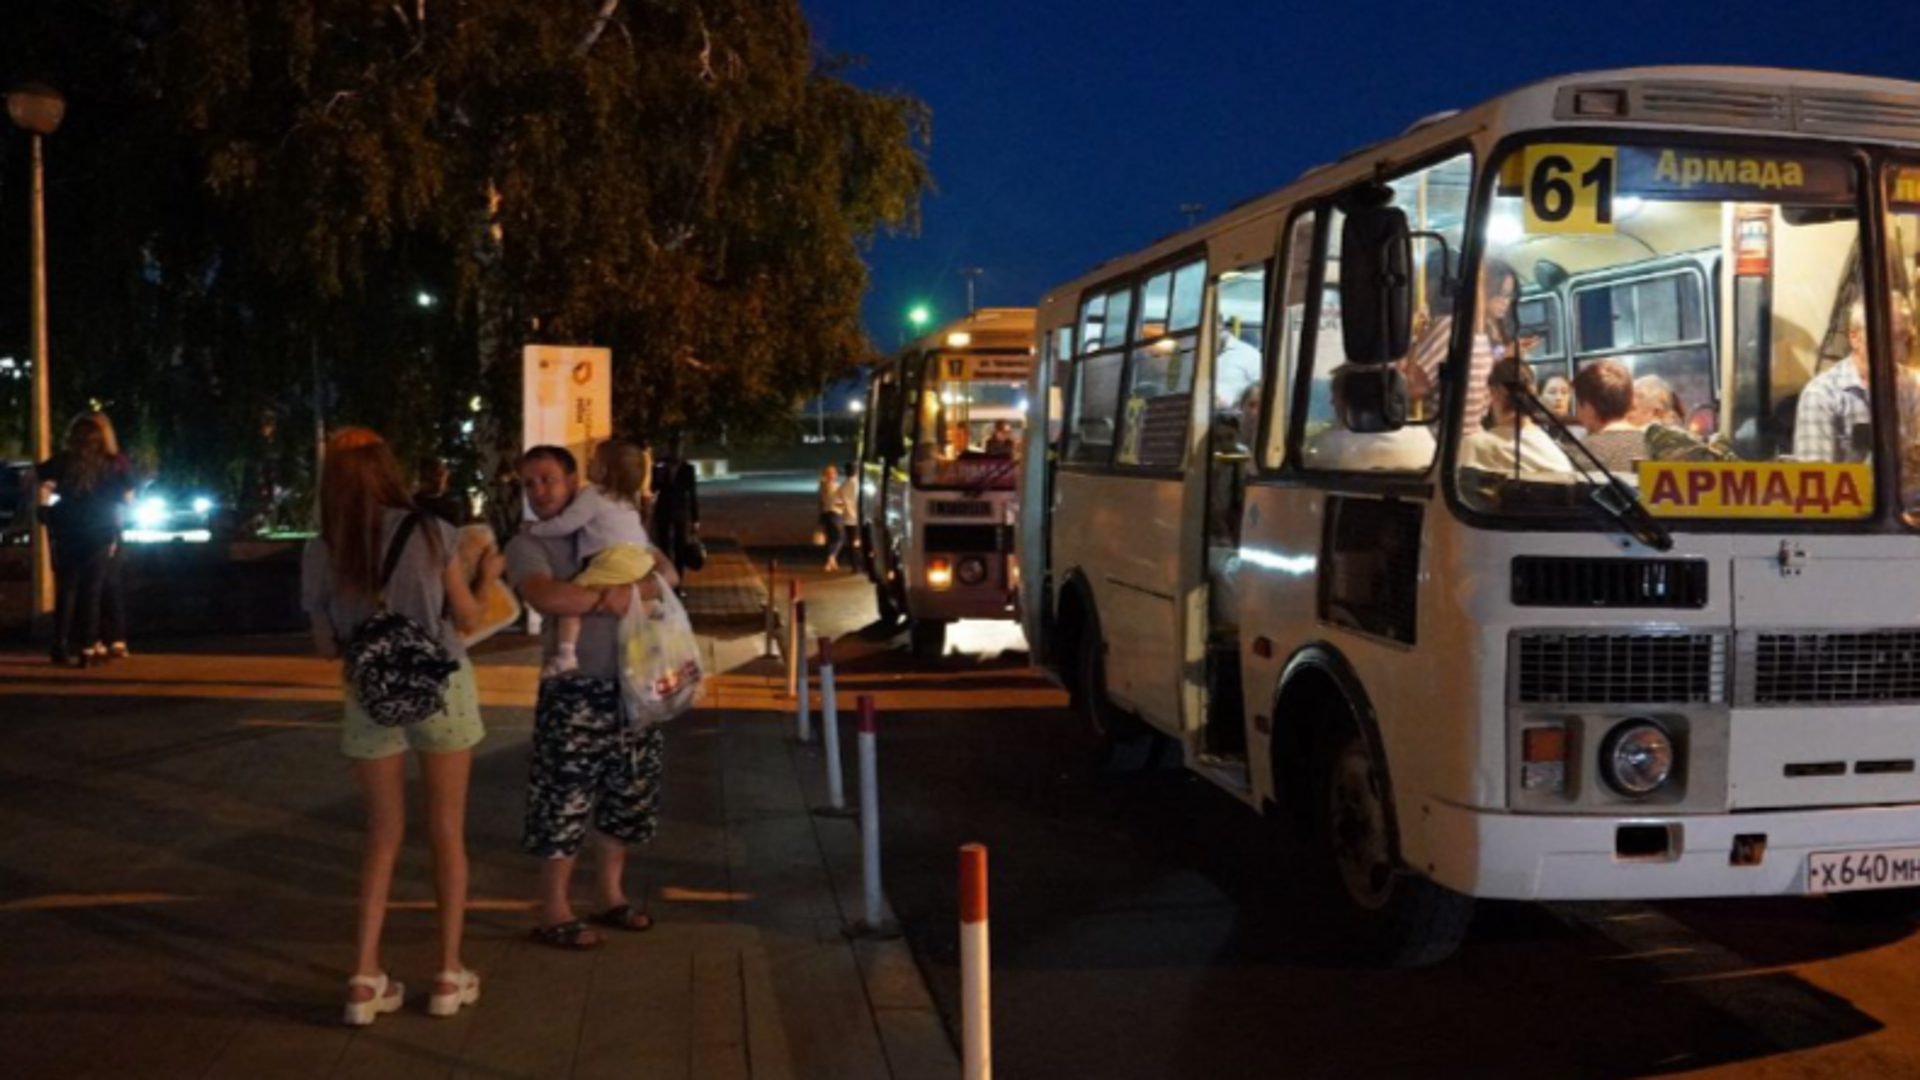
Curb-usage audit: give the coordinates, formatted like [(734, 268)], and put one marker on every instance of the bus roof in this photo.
[(987, 328), (1763, 101)]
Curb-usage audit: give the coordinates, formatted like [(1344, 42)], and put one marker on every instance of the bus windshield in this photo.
[(1688, 319), (970, 430)]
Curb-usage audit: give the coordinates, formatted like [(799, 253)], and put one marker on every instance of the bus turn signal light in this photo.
[(939, 574), (1543, 759)]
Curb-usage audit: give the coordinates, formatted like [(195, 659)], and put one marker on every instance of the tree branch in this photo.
[(600, 21)]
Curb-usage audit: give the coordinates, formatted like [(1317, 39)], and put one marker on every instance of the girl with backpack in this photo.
[(378, 555)]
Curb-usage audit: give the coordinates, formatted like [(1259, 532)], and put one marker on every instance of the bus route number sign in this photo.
[(1570, 189)]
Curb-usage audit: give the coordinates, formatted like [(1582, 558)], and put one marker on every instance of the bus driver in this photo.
[(1835, 402)]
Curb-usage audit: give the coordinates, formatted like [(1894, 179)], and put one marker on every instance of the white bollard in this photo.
[(976, 996), (874, 924), (830, 732), (802, 701)]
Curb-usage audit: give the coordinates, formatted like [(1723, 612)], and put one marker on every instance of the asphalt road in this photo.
[(1138, 929)]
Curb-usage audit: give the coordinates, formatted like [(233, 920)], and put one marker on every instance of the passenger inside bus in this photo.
[(1834, 421), (1406, 449), (1603, 404), (1491, 343), (1557, 395), (1236, 368), (1001, 442), (1513, 446)]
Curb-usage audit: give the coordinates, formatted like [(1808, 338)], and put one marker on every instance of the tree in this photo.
[(248, 198)]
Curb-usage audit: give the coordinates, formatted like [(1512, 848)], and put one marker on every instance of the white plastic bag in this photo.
[(661, 672)]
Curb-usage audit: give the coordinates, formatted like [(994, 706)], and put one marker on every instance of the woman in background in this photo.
[(82, 491)]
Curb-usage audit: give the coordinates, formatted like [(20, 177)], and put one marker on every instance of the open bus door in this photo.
[(1046, 394)]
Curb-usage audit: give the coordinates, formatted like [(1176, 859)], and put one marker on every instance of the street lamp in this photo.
[(970, 273), (38, 109)]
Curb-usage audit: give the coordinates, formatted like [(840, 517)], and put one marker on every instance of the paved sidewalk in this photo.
[(178, 855)]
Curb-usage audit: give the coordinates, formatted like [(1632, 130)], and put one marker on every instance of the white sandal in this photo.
[(466, 991), (387, 996)]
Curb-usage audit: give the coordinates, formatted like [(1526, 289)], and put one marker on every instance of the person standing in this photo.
[(83, 489), (113, 596), (435, 495), (591, 764), (833, 515), (676, 504), (363, 507)]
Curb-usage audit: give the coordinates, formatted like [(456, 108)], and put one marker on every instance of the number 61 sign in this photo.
[(1570, 189)]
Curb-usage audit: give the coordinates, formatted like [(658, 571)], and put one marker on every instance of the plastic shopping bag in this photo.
[(661, 672)]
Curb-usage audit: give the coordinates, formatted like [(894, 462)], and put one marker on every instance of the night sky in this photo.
[(1067, 133)]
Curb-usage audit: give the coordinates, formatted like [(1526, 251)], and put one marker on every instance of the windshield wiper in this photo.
[(1620, 502), (987, 481)]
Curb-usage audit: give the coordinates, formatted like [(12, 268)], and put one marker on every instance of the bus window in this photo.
[(1238, 340), (1160, 379), (1435, 201), (1188, 283), (1293, 321), (1903, 240), (1096, 400)]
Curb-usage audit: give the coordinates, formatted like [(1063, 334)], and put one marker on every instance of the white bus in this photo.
[(1302, 511), (939, 467)]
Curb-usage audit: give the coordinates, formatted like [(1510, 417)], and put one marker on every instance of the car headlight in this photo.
[(1636, 758), (150, 514), (972, 570), (203, 506)]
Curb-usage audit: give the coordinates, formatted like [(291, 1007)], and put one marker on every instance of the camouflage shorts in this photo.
[(588, 761)]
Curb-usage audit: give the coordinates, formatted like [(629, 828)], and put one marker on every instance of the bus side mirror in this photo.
[(1376, 281), (1370, 399)]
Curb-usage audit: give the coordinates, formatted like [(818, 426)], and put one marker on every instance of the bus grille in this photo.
[(960, 508), (1621, 669), (1785, 668), (1542, 581)]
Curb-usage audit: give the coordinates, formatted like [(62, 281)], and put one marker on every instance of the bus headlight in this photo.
[(1636, 758), (972, 570), (939, 574)]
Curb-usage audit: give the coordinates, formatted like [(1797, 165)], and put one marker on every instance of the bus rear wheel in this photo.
[(929, 638), (1381, 912)]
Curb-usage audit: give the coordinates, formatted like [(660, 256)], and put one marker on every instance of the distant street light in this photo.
[(425, 299), (856, 406), (38, 109), (920, 315), (1192, 210)]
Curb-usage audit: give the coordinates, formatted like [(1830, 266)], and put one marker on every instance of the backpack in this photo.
[(398, 671)]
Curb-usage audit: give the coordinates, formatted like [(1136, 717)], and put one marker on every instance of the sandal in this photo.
[(466, 991), (387, 996), (567, 935), (625, 917)]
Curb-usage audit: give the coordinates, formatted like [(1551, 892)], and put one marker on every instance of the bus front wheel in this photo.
[(1382, 912)]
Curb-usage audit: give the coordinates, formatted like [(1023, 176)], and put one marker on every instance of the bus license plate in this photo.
[(1852, 871)]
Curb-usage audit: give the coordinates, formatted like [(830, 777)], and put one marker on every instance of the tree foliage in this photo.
[(247, 198)]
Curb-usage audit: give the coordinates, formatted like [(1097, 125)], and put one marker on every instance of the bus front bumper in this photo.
[(1507, 856)]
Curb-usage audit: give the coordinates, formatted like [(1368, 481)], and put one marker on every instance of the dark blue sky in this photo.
[(1066, 133)]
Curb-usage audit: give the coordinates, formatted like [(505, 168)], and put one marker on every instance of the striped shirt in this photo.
[(1429, 354)]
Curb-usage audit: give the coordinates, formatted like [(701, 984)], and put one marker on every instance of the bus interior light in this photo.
[(939, 574)]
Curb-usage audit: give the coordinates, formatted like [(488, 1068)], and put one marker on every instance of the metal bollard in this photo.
[(773, 573), (976, 998), (830, 732), (803, 701), (793, 634), (874, 924)]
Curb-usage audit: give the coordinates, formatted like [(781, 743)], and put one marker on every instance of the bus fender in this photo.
[(1316, 678)]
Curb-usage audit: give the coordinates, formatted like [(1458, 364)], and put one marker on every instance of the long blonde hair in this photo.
[(626, 475)]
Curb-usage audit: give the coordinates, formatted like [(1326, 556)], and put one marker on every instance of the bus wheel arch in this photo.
[(1332, 782)]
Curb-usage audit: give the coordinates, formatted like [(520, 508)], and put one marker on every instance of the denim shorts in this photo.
[(449, 731)]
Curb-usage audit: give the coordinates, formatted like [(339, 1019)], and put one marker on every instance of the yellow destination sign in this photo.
[(985, 367), (1739, 489)]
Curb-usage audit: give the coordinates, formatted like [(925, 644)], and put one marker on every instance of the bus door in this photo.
[(1046, 423), (1239, 333)]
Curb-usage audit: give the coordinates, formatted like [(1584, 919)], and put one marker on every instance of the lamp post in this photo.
[(971, 272), (38, 109)]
